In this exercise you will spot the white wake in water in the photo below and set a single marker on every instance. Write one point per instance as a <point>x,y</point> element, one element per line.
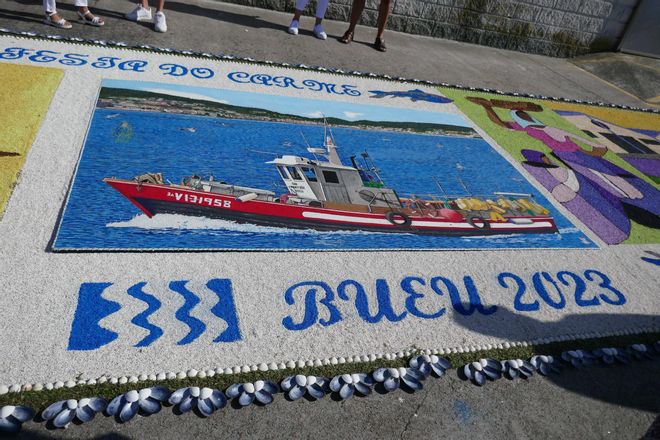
<point>179,221</point>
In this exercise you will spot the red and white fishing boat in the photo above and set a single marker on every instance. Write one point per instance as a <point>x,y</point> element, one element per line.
<point>324,194</point>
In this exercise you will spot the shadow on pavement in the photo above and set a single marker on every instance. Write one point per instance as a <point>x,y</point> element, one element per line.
<point>512,326</point>
<point>252,21</point>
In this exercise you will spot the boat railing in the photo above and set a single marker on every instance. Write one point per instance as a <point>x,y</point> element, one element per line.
<point>449,197</point>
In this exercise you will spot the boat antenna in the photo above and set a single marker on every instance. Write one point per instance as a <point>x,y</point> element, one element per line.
<point>305,139</point>
<point>371,165</point>
<point>309,147</point>
<point>262,152</point>
<point>442,190</point>
<point>463,185</point>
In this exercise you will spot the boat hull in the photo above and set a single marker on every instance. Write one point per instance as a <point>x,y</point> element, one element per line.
<point>155,199</point>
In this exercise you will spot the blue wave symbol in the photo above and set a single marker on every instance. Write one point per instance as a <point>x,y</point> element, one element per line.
<point>86,333</point>
<point>225,309</point>
<point>196,326</point>
<point>140,319</point>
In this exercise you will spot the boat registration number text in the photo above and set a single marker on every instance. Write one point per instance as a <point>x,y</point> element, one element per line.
<point>200,200</point>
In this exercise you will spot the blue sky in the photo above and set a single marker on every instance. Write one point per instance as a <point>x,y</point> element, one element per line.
<point>295,106</point>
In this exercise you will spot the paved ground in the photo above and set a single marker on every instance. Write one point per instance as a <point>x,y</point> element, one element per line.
<point>639,76</point>
<point>598,403</point>
<point>218,27</point>
<point>615,402</point>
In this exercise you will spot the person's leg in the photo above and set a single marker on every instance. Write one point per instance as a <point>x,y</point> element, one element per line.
<point>295,22</point>
<point>85,14</point>
<point>321,7</point>
<point>141,12</point>
<point>160,5</point>
<point>160,24</point>
<point>383,14</point>
<point>52,17</point>
<point>356,13</point>
<point>50,6</point>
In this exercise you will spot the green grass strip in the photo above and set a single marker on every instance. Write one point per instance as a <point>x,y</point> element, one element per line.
<point>38,400</point>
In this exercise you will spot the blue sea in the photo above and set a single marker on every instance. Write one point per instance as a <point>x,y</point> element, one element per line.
<point>124,144</point>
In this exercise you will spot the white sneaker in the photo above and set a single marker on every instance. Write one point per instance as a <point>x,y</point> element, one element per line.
<point>139,14</point>
<point>320,33</point>
<point>293,27</point>
<point>160,24</point>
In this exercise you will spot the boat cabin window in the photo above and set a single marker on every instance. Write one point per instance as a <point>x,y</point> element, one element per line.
<point>294,173</point>
<point>283,173</point>
<point>309,173</point>
<point>330,177</point>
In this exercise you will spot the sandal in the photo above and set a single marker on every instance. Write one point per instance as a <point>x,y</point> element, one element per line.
<point>60,23</point>
<point>347,38</point>
<point>379,44</point>
<point>90,19</point>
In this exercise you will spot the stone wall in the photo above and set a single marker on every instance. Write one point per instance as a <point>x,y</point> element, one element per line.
<point>550,27</point>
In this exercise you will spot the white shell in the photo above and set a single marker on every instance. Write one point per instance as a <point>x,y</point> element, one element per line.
<point>49,386</point>
<point>245,369</point>
<point>132,379</point>
<point>58,384</point>
<point>83,402</point>
<point>68,384</point>
<point>91,382</point>
<point>291,364</point>
<point>334,361</point>
<point>171,375</point>
<point>347,378</point>
<point>300,363</point>
<point>248,387</point>
<point>192,373</point>
<point>143,394</point>
<point>194,391</point>
<point>103,379</point>
<point>210,373</point>
<point>273,366</point>
<point>402,371</point>
<point>71,404</point>
<point>132,396</point>
<point>311,380</point>
<point>181,375</point>
<point>205,393</point>
<point>355,377</point>
<point>282,366</point>
<point>37,387</point>
<point>27,387</point>
<point>228,370</point>
<point>152,377</point>
<point>259,385</point>
<point>263,367</point>
<point>6,411</point>
<point>201,374</point>
<point>301,380</point>
<point>318,362</point>
<point>123,380</point>
<point>341,360</point>
<point>142,377</point>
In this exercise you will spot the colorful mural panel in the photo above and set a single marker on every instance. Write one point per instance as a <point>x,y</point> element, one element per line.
<point>600,163</point>
<point>25,95</point>
<point>173,167</point>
